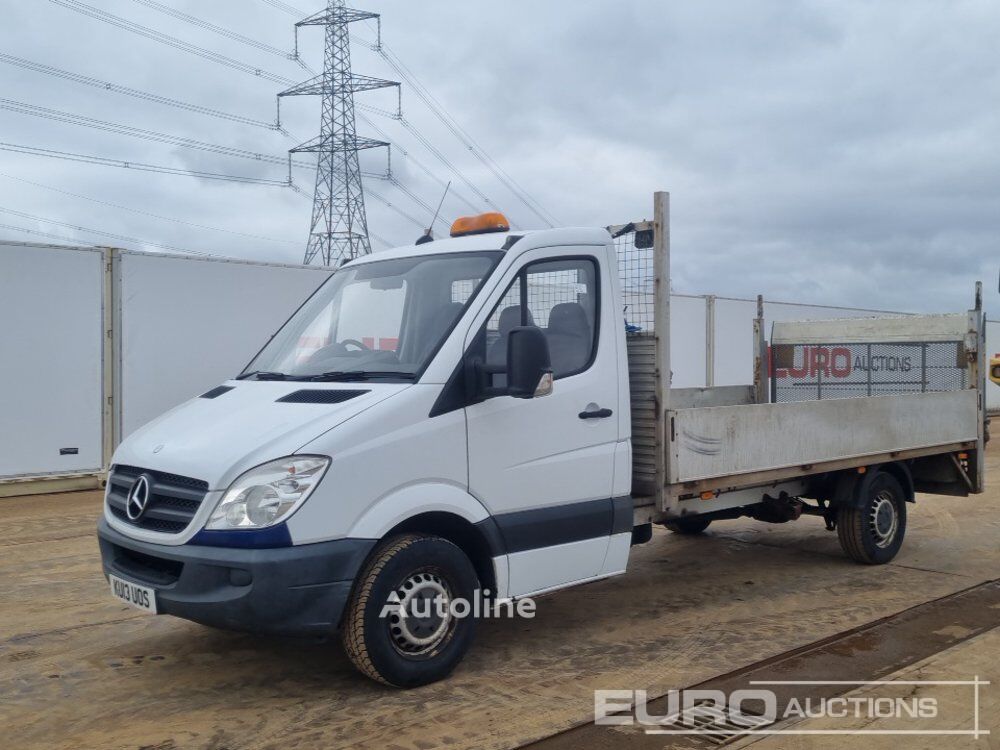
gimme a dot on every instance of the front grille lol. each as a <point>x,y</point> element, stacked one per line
<point>173,499</point>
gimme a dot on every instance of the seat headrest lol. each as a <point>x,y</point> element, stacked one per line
<point>510,317</point>
<point>569,318</point>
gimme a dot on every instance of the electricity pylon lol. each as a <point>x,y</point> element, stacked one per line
<point>339,228</point>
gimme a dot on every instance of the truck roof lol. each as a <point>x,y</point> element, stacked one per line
<point>495,241</point>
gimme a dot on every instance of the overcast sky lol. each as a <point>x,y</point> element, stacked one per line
<point>843,153</point>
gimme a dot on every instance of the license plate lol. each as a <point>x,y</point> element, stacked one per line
<point>140,597</point>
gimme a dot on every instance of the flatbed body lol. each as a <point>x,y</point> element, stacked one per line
<point>712,449</point>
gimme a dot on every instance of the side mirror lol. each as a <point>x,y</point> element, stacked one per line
<point>529,366</point>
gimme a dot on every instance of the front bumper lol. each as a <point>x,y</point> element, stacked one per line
<point>288,590</point>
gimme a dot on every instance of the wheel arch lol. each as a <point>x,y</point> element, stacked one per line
<point>475,540</point>
<point>446,511</point>
<point>901,472</point>
<point>851,487</point>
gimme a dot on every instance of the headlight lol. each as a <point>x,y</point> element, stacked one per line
<point>268,493</point>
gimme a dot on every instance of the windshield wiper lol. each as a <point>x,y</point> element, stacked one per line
<point>338,376</point>
<point>262,375</point>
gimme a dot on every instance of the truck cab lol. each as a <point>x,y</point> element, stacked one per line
<point>467,398</point>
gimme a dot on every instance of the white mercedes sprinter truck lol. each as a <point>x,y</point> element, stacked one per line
<point>487,413</point>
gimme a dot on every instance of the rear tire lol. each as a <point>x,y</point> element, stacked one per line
<point>414,650</point>
<point>871,528</point>
<point>688,526</point>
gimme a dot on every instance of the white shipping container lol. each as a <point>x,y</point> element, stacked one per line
<point>186,324</point>
<point>993,349</point>
<point>51,307</point>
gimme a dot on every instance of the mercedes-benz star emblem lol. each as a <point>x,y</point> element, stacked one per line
<point>138,497</point>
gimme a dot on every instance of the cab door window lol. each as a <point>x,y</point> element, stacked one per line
<point>560,297</point>
<point>562,301</point>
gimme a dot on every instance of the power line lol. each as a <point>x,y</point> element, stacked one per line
<point>145,213</point>
<point>215,57</point>
<point>393,207</point>
<point>220,30</point>
<point>23,108</point>
<point>259,72</point>
<point>37,232</point>
<point>449,122</point>
<point>289,9</point>
<point>99,232</point>
<point>426,143</point>
<point>393,59</point>
<point>407,155</point>
<point>417,199</point>
<point>380,132</point>
<point>171,41</point>
<point>212,56</point>
<point>119,89</point>
<point>410,127</point>
<point>148,135</point>
<point>285,7</point>
<point>138,166</point>
<point>380,240</point>
<point>381,199</point>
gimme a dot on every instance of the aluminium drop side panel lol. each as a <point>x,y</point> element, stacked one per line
<point>726,441</point>
<point>51,305</point>
<point>921,328</point>
<point>186,324</point>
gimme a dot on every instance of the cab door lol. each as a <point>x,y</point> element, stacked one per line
<point>544,466</point>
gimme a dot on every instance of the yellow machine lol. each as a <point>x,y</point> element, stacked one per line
<point>995,369</point>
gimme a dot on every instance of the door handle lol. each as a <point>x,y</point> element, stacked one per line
<point>596,414</point>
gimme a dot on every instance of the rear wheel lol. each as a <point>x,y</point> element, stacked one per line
<point>400,627</point>
<point>688,526</point>
<point>871,528</point>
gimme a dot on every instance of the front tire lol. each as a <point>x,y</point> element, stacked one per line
<point>418,648</point>
<point>871,528</point>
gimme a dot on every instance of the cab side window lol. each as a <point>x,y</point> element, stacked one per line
<point>561,298</point>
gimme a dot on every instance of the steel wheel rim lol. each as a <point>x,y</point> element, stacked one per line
<point>883,521</point>
<point>416,633</point>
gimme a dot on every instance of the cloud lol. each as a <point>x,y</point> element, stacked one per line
<point>834,152</point>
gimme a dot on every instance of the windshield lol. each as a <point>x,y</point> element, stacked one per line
<point>383,319</point>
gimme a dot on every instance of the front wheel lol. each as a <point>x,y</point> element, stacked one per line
<point>871,528</point>
<point>401,626</point>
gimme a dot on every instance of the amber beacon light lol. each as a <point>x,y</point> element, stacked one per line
<point>482,224</point>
